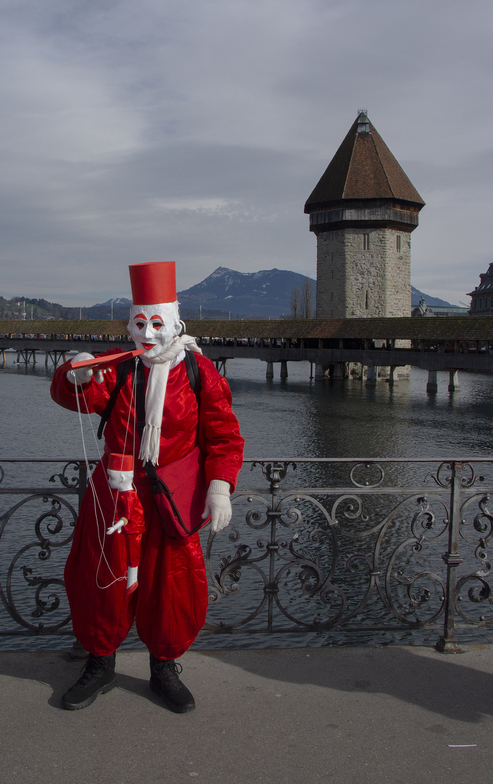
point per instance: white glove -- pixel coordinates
(83, 375)
(117, 527)
(218, 505)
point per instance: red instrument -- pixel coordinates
(108, 359)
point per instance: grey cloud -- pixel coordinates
(156, 204)
(197, 130)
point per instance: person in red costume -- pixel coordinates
(169, 607)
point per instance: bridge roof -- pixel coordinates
(61, 327)
(439, 328)
(362, 168)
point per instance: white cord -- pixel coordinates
(96, 501)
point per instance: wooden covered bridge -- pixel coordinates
(329, 345)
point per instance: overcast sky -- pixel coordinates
(195, 130)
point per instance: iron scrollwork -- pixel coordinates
(73, 481)
(368, 545)
(395, 578)
(443, 475)
(476, 530)
(52, 532)
(31, 584)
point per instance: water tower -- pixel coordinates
(363, 211)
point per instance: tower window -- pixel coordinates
(366, 242)
(398, 243)
(366, 300)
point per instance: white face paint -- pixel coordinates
(120, 480)
(154, 327)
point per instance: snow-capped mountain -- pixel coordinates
(261, 294)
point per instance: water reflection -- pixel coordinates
(296, 417)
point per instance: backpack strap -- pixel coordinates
(193, 374)
(124, 368)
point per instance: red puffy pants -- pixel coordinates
(170, 604)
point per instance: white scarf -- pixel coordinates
(156, 392)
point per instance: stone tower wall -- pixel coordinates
(398, 273)
(331, 275)
(358, 278)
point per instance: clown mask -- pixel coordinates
(154, 327)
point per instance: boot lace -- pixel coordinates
(168, 672)
(93, 668)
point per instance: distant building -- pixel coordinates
(450, 310)
(482, 296)
(363, 211)
(437, 310)
(422, 309)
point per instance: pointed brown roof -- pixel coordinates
(362, 168)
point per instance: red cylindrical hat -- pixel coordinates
(153, 282)
(120, 462)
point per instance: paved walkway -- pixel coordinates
(300, 716)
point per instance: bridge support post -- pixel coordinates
(221, 365)
(338, 372)
(269, 373)
(319, 372)
(453, 383)
(56, 357)
(284, 368)
(392, 378)
(371, 378)
(432, 385)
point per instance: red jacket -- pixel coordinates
(219, 433)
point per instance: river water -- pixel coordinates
(288, 418)
(292, 417)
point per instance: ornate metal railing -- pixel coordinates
(35, 531)
(316, 546)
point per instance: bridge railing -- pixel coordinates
(326, 548)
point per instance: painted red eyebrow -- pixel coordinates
(141, 316)
(157, 318)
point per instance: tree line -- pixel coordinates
(302, 306)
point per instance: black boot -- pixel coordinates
(166, 683)
(98, 677)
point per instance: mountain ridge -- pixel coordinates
(223, 294)
(252, 294)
